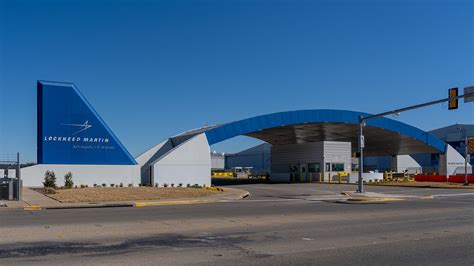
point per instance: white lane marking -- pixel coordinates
(410, 190)
(453, 195)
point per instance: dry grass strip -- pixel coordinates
(128, 194)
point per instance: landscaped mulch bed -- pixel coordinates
(128, 194)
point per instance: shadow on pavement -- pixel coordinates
(237, 181)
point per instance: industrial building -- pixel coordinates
(258, 157)
(304, 145)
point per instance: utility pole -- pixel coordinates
(18, 177)
(453, 104)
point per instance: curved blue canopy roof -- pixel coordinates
(332, 123)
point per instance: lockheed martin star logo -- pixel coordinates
(81, 127)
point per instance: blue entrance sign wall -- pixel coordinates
(71, 132)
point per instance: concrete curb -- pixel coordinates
(235, 194)
(167, 203)
(420, 186)
(106, 205)
(373, 199)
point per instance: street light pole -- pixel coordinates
(361, 144)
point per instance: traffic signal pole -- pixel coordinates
(466, 182)
(362, 119)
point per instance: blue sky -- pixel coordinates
(153, 69)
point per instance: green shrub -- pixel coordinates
(68, 183)
(49, 179)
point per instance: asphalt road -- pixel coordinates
(297, 224)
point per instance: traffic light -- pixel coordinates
(470, 145)
(453, 103)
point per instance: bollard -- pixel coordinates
(320, 177)
(329, 177)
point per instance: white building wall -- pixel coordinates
(338, 152)
(451, 161)
(188, 163)
(401, 163)
(282, 156)
(217, 162)
(146, 159)
(83, 174)
(148, 154)
(257, 157)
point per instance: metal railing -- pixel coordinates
(10, 187)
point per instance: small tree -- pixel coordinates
(49, 179)
(68, 183)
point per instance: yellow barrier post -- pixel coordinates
(329, 177)
(320, 177)
(339, 176)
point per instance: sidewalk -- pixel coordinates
(33, 200)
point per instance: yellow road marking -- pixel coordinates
(32, 208)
